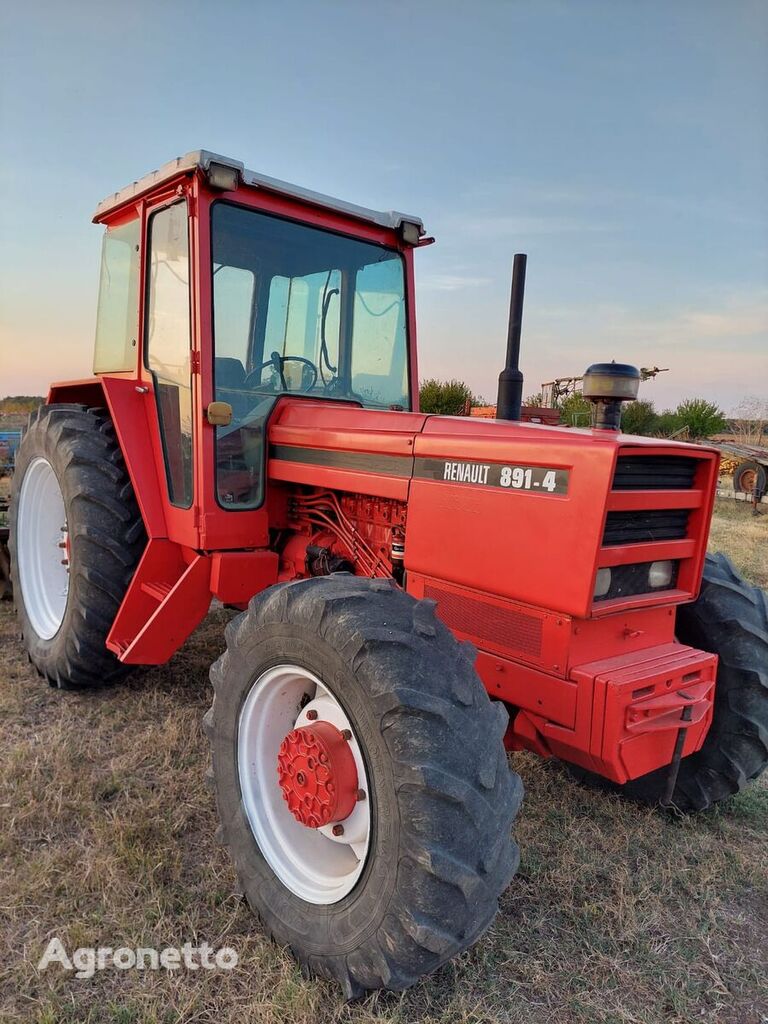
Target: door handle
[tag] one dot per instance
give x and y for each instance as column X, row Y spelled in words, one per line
column 219, row 414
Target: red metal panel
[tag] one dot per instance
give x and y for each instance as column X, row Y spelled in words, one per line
column 135, row 420
column 653, row 551
column 161, row 566
column 552, row 699
column 237, row 575
column 536, row 548
column 622, row 501
column 179, row 610
column 621, row 632
column 344, row 427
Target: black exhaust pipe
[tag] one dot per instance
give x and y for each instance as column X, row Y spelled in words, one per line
column 510, row 397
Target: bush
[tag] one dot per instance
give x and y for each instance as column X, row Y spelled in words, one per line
column 639, row 417
column 667, row 423
column 446, row 397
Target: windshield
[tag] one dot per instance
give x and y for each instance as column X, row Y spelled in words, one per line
column 298, row 310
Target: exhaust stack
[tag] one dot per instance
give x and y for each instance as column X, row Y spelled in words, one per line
column 510, row 395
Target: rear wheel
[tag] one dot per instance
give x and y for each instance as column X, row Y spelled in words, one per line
column 361, row 780
column 76, row 536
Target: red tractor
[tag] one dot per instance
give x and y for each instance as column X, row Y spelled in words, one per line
column 419, row 594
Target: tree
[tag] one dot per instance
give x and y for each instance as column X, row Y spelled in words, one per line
column 446, row 397
column 19, row 404
column 639, row 417
column 702, row 418
column 750, row 420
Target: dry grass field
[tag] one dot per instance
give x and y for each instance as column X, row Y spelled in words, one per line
column 107, row 838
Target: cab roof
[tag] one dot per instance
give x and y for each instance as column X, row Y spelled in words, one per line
column 203, row 159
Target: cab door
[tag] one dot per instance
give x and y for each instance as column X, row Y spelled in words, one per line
column 168, row 356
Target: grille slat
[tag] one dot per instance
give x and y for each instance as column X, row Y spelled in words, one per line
column 654, row 473
column 637, row 526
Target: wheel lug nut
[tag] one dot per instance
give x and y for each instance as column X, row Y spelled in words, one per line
column 360, row 795
column 311, row 714
column 346, row 734
column 338, row 830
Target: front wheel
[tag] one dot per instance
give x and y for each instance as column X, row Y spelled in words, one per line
column 361, row 780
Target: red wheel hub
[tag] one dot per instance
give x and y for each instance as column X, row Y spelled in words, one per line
column 317, row 774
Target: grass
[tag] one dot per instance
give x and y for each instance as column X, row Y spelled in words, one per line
column 743, row 537
column 106, row 838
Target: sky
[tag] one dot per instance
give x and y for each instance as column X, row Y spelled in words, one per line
column 621, row 144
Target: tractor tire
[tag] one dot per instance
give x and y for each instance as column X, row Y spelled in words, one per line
column 432, row 846
column 750, row 478
column 6, row 589
column 76, row 536
column 729, row 619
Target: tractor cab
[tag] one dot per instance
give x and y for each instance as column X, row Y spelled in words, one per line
column 224, row 290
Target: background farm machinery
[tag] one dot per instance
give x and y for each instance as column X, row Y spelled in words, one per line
column 9, row 443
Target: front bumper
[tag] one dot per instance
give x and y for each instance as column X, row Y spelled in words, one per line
column 629, row 710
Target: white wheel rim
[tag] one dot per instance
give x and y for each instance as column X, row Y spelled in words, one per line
column 313, row 863
column 42, row 549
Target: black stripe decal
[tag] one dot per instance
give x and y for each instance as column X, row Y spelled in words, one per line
column 537, row 479
column 360, row 462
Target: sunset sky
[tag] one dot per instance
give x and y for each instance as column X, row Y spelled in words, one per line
column 622, row 145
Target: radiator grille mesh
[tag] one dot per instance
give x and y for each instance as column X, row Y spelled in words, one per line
column 504, row 627
column 654, row 472
column 639, row 526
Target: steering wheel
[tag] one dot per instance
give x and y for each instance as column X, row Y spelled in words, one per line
column 277, row 362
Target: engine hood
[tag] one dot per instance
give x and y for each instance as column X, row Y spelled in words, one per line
column 515, row 509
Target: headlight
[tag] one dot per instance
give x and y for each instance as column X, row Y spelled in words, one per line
column 660, row 574
column 603, row 581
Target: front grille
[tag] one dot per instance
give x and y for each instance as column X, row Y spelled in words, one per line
column 631, row 580
column 637, row 526
column 654, row 473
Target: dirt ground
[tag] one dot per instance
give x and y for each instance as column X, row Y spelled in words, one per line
column 107, row 838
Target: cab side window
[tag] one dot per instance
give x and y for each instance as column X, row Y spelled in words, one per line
column 167, row 334
column 117, row 319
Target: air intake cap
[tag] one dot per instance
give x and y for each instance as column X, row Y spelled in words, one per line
column 606, row 386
